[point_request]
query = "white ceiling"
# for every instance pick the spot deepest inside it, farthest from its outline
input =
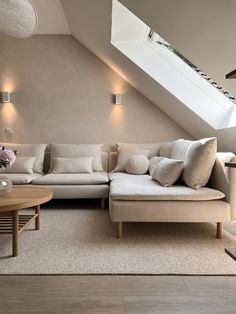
(51, 17)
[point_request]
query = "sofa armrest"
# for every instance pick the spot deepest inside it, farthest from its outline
(224, 179)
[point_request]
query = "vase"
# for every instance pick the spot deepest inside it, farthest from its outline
(5, 186)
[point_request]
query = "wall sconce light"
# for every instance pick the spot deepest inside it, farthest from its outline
(5, 97)
(117, 99)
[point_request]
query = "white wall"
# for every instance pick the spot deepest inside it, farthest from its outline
(63, 93)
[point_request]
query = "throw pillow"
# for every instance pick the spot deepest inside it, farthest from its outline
(180, 149)
(21, 165)
(199, 161)
(125, 154)
(137, 164)
(72, 165)
(168, 171)
(153, 162)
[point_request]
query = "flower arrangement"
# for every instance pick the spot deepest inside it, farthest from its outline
(7, 156)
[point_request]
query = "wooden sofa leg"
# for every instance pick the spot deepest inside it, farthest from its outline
(219, 230)
(119, 230)
(103, 203)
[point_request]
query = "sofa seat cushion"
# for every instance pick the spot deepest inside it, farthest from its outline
(22, 178)
(142, 187)
(72, 179)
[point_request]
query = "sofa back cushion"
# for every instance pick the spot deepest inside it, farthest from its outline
(166, 149)
(30, 150)
(199, 162)
(77, 150)
(153, 148)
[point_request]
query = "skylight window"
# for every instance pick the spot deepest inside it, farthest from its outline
(169, 68)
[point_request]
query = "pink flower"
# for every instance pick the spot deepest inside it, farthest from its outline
(7, 155)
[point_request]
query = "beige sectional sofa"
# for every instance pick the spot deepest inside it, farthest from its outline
(133, 198)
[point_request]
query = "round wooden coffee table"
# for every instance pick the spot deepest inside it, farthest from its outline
(21, 197)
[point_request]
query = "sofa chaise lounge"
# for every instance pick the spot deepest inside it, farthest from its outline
(137, 198)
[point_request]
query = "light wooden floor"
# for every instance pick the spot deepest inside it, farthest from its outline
(117, 294)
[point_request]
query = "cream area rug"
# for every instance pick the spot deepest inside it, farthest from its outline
(82, 241)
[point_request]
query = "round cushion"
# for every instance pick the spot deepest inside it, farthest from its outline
(137, 164)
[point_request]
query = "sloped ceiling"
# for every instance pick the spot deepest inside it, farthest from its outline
(51, 17)
(90, 23)
(203, 30)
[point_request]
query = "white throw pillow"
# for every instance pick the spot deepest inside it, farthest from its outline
(77, 150)
(168, 171)
(72, 165)
(180, 149)
(137, 164)
(21, 165)
(199, 161)
(153, 162)
(125, 154)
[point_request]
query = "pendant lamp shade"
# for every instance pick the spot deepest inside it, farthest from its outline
(18, 18)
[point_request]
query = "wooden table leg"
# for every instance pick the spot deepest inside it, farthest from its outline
(37, 219)
(15, 230)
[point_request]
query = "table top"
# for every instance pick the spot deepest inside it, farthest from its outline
(22, 197)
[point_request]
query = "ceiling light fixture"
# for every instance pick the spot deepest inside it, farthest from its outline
(18, 18)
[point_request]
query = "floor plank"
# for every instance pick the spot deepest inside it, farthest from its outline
(55, 305)
(212, 286)
(179, 305)
(93, 285)
(117, 294)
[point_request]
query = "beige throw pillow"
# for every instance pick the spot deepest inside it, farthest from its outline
(125, 154)
(21, 165)
(168, 171)
(72, 165)
(153, 162)
(199, 161)
(77, 150)
(137, 164)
